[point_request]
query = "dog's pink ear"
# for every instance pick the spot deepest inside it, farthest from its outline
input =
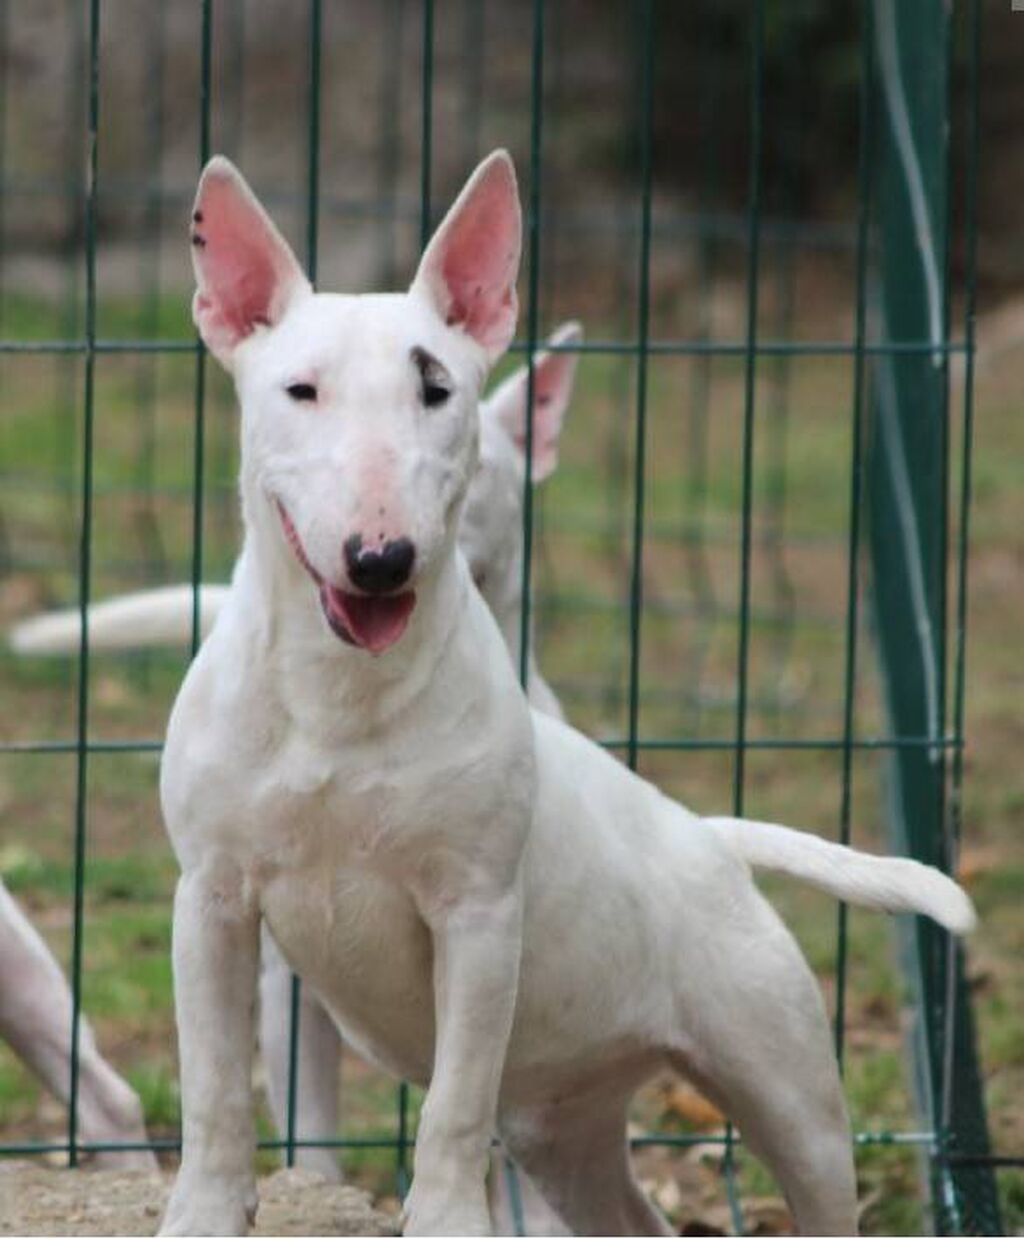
(553, 375)
(246, 276)
(470, 267)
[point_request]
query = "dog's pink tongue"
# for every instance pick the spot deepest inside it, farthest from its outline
(375, 623)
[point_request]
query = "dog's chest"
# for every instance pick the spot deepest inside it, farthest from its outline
(385, 803)
(356, 937)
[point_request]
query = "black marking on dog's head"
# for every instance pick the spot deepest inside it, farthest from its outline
(435, 382)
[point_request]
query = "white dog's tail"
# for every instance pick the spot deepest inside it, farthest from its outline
(154, 618)
(894, 883)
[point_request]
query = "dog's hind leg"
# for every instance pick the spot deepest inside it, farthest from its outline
(763, 1053)
(796, 1125)
(318, 1060)
(577, 1156)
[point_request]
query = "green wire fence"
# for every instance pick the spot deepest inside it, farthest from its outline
(681, 635)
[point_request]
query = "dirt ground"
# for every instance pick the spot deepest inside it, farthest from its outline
(37, 1200)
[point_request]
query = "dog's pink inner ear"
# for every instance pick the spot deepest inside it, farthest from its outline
(470, 268)
(245, 271)
(552, 389)
(479, 267)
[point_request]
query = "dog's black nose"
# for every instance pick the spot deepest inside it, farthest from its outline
(379, 572)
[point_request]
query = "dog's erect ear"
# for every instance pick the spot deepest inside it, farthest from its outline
(553, 375)
(469, 269)
(246, 276)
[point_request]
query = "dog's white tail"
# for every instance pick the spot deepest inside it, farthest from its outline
(894, 883)
(156, 617)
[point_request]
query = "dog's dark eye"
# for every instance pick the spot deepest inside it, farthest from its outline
(434, 393)
(304, 392)
(435, 381)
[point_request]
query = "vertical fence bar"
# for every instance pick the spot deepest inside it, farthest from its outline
(427, 123)
(776, 440)
(198, 457)
(615, 445)
(312, 236)
(533, 232)
(473, 34)
(389, 104)
(856, 486)
(5, 46)
(749, 398)
(5, 43)
(698, 564)
(646, 153)
(84, 574)
(955, 803)
(222, 442)
(150, 542)
(66, 369)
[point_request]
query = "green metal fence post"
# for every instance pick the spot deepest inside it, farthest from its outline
(908, 482)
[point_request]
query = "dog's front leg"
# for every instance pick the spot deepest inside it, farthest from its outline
(476, 972)
(216, 953)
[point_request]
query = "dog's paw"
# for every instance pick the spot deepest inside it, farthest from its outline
(210, 1207)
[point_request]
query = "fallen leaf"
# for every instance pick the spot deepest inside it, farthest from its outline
(684, 1102)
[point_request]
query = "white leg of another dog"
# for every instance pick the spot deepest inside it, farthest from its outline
(535, 1214)
(216, 957)
(319, 1060)
(476, 967)
(35, 1018)
(577, 1156)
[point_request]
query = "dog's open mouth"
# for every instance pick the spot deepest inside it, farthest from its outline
(372, 622)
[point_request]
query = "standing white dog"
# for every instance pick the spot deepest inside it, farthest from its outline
(491, 538)
(487, 902)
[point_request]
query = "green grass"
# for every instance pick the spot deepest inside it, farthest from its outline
(143, 511)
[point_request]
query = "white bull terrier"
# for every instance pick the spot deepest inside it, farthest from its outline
(488, 904)
(35, 1019)
(491, 538)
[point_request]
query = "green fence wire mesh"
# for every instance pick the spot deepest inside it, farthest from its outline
(698, 569)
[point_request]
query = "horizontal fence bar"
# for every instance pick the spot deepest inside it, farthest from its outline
(653, 1140)
(997, 1161)
(825, 744)
(71, 746)
(618, 348)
